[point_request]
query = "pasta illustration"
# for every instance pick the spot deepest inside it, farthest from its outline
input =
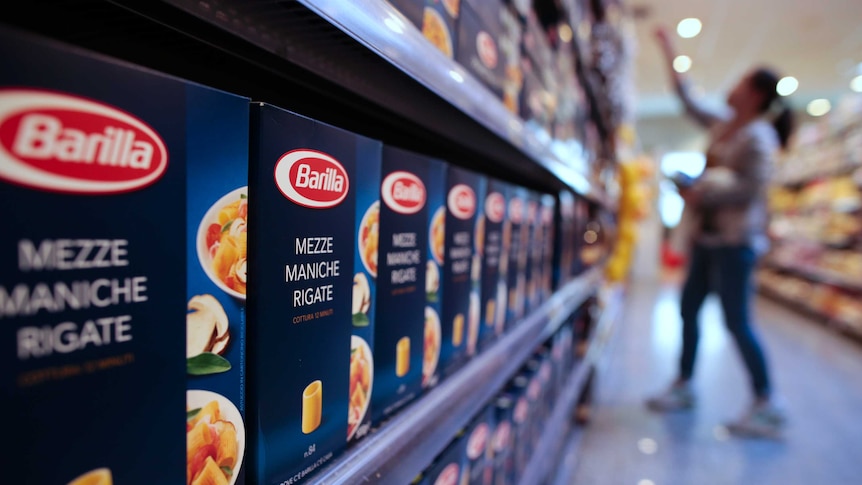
(369, 238)
(312, 406)
(227, 243)
(99, 476)
(212, 447)
(360, 387)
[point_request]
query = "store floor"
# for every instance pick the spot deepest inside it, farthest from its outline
(817, 373)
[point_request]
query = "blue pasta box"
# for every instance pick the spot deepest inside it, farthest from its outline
(435, 188)
(440, 24)
(400, 333)
(448, 468)
(480, 30)
(547, 210)
(305, 190)
(503, 440)
(564, 239)
(364, 297)
(462, 268)
(515, 240)
(478, 452)
(97, 158)
(494, 262)
(533, 268)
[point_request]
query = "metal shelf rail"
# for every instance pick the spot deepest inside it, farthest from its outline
(408, 443)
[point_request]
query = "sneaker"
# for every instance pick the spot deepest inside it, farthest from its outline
(762, 420)
(678, 397)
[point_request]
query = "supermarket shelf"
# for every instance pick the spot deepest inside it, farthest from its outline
(815, 276)
(553, 439)
(798, 181)
(570, 457)
(407, 444)
(843, 328)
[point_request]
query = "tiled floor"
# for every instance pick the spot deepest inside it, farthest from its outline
(817, 373)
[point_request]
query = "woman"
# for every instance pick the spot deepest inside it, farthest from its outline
(731, 232)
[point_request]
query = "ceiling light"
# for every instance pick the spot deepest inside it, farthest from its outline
(787, 86)
(682, 63)
(819, 107)
(856, 84)
(688, 28)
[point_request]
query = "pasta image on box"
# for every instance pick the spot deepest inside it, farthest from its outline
(494, 262)
(366, 261)
(462, 268)
(439, 24)
(303, 210)
(435, 188)
(399, 329)
(96, 157)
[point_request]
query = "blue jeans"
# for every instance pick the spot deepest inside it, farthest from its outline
(728, 271)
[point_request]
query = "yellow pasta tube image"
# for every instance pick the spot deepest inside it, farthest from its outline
(312, 406)
(99, 476)
(402, 357)
(458, 330)
(489, 312)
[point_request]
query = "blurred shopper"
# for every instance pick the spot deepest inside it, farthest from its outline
(730, 232)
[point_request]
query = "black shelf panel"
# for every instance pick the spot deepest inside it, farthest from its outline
(408, 443)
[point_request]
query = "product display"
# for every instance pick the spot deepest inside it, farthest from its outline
(338, 292)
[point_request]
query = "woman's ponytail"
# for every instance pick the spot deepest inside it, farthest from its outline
(766, 81)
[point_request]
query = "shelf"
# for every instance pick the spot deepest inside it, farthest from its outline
(844, 328)
(553, 438)
(815, 276)
(407, 444)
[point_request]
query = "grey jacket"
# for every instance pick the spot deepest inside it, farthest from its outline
(738, 212)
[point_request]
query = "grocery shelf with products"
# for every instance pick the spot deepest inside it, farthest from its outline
(816, 220)
(468, 183)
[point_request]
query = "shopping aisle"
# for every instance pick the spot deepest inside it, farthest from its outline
(816, 371)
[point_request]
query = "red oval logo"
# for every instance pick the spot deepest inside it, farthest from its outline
(462, 201)
(501, 436)
(521, 408)
(403, 192)
(495, 207)
(478, 442)
(487, 49)
(63, 143)
(516, 210)
(311, 179)
(449, 475)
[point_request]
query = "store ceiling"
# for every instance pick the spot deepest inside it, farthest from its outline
(818, 42)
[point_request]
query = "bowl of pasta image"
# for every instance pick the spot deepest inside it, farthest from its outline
(215, 438)
(222, 242)
(368, 238)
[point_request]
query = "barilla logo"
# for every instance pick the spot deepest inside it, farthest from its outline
(462, 201)
(516, 210)
(521, 409)
(63, 143)
(449, 475)
(487, 49)
(311, 179)
(495, 207)
(478, 442)
(501, 436)
(403, 192)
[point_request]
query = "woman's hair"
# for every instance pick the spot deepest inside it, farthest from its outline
(765, 81)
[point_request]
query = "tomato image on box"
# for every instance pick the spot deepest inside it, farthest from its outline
(401, 291)
(494, 263)
(462, 269)
(515, 240)
(363, 359)
(303, 181)
(95, 157)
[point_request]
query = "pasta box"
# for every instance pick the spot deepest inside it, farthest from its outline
(503, 440)
(448, 468)
(547, 210)
(366, 261)
(462, 268)
(305, 191)
(480, 33)
(96, 157)
(435, 187)
(440, 24)
(400, 336)
(564, 240)
(514, 236)
(478, 451)
(494, 261)
(533, 268)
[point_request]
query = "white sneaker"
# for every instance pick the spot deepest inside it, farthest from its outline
(678, 397)
(762, 420)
